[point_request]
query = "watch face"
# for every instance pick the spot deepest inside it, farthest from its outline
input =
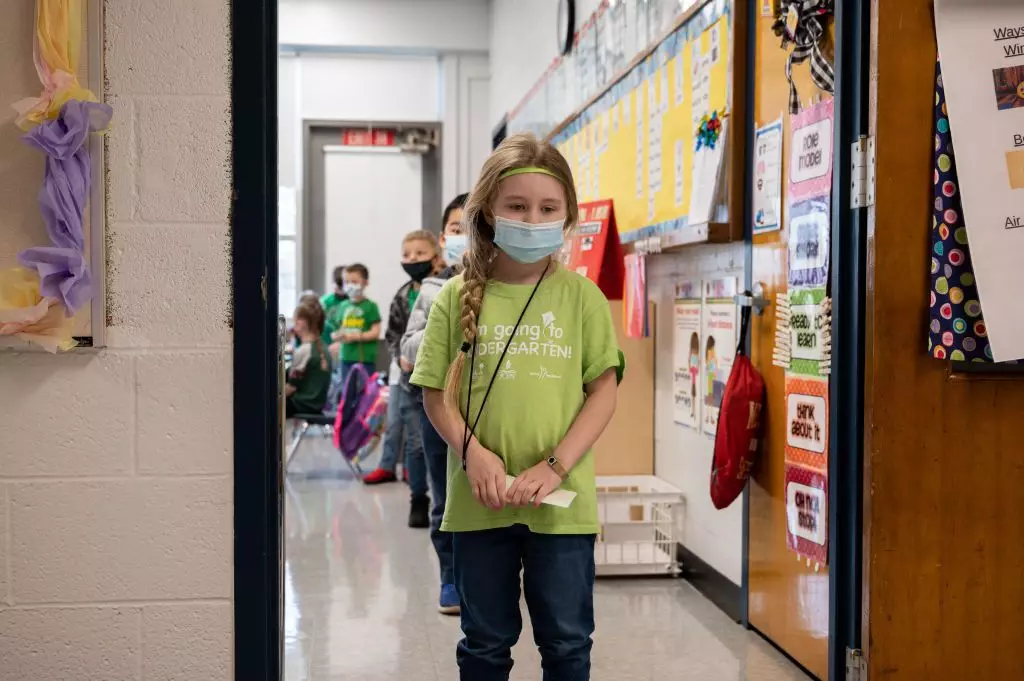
(552, 461)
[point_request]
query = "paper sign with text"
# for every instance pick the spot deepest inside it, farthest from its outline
(807, 513)
(686, 368)
(807, 422)
(809, 228)
(810, 161)
(807, 330)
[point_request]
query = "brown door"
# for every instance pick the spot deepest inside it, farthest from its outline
(944, 463)
(788, 600)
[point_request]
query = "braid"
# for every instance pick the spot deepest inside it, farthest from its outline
(471, 298)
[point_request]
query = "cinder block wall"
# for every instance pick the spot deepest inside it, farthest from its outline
(116, 466)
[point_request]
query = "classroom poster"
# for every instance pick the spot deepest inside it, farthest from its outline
(635, 308)
(719, 338)
(807, 422)
(810, 224)
(593, 249)
(808, 331)
(686, 354)
(981, 51)
(768, 178)
(810, 162)
(807, 513)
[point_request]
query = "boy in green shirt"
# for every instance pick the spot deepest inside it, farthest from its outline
(357, 323)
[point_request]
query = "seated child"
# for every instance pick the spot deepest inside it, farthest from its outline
(357, 323)
(310, 373)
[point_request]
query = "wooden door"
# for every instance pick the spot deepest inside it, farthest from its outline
(944, 469)
(788, 601)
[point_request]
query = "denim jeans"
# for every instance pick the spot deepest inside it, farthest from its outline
(558, 581)
(403, 435)
(435, 452)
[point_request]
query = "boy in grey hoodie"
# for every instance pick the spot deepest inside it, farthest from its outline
(435, 449)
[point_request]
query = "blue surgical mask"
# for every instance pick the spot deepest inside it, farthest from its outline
(528, 243)
(354, 291)
(454, 246)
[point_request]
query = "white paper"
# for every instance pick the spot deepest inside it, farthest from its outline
(718, 347)
(562, 498)
(680, 173)
(704, 178)
(768, 178)
(982, 48)
(686, 368)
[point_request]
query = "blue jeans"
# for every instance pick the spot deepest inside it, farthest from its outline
(435, 452)
(403, 435)
(558, 580)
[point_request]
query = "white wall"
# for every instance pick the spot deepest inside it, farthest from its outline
(116, 465)
(683, 456)
(523, 44)
(434, 25)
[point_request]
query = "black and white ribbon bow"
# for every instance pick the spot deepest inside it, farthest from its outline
(812, 16)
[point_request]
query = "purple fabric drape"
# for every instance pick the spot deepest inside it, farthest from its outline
(62, 267)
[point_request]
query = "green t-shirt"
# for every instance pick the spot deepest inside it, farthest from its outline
(330, 302)
(311, 375)
(565, 341)
(414, 293)
(357, 316)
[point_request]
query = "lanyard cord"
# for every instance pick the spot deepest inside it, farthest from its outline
(469, 432)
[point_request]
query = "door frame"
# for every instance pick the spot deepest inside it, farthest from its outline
(846, 399)
(258, 465)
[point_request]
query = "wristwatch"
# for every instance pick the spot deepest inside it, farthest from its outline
(557, 467)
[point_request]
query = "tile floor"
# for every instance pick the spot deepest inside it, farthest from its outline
(361, 595)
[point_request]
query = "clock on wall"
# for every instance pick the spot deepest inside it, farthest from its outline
(566, 25)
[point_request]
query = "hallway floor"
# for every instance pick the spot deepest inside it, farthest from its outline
(361, 596)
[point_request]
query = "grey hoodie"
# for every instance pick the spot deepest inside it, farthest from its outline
(410, 344)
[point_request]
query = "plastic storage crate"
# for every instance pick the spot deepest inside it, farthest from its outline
(638, 516)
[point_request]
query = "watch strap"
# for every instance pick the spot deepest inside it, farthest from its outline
(557, 466)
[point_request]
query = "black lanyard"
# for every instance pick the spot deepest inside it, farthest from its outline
(469, 432)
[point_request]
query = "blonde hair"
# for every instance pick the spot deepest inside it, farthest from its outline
(423, 235)
(517, 151)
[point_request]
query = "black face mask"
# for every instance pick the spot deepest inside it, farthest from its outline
(418, 271)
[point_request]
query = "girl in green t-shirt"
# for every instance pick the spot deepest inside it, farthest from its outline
(518, 368)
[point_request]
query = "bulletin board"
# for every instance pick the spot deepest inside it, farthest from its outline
(22, 166)
(635, 143)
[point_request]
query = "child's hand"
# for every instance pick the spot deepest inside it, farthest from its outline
(486, 473)
(405, 364)
(533, 485)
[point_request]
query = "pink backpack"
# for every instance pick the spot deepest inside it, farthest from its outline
(362, 412)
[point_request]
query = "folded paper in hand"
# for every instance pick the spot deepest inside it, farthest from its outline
(561, 498)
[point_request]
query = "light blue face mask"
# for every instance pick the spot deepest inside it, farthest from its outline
(528, 243)
(454, 246)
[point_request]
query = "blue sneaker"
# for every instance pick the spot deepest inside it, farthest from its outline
(449, 602)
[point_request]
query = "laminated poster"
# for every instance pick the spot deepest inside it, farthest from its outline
(686, 354)
(981, 49)
(635, 308)
(768, 178)
(810, 223)
(810, 162)
(807, 330)
(718, 347)
(807, 513)
(807, 422)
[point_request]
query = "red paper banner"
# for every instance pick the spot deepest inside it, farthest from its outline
(594, 250)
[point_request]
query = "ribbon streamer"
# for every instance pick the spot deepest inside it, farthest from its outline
(800, 23)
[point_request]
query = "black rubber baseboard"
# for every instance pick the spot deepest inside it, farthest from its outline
(715, 586)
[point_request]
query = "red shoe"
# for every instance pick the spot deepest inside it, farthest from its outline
(405, 474)
(379, 476)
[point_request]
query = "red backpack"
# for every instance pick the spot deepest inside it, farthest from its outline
(739, 426)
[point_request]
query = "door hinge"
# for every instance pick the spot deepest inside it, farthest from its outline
(856, 667)
(862, 182)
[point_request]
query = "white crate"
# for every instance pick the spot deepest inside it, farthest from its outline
(638, 516)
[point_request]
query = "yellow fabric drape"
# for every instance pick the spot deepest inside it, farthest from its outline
(56, 49)
(27, 315)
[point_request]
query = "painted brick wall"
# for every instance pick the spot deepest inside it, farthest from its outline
(115, 466)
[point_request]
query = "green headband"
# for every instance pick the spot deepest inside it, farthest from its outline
(527, 169)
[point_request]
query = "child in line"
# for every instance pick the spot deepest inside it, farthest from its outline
(420, 259)
(335, 298)
(357, 320)
(518, 368)
(435, 450)
(310, 373)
